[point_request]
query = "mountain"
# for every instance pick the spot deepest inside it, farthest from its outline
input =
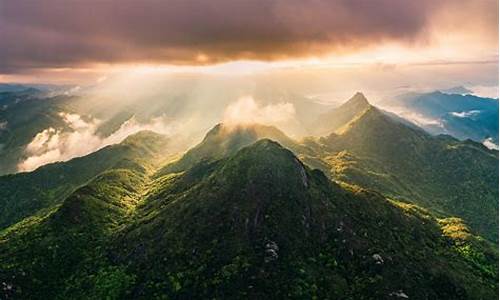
(461, 90)
(463, 116)
(23, 115)
(223, 140)
(441, 173)
(64, 119)
(254, 224)
(13, 87)
(67, 241)
(379, 152)
(25, 194)
(38, 88)
(394, 213)
(337, 117)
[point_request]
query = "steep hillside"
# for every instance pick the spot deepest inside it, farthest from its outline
(23, 194)
(45, 256)
(256, 224)
(378, 152)
(441, 173)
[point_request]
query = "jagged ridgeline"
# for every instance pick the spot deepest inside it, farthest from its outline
(376, 209)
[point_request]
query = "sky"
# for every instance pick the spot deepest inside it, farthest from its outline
(79, 42)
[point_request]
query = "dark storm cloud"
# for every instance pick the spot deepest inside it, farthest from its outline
(60, 33)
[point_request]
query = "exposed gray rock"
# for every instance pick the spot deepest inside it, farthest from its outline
(399, 294)
(271, 252)
(340, 227)
(378, 259)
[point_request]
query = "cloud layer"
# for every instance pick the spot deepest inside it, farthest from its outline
(246, 111)
(52, 145)
(60, 33)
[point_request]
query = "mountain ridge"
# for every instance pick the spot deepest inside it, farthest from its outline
(23, 194)
(224, 139)
(243, 215)
(385, 155)
(463, 116)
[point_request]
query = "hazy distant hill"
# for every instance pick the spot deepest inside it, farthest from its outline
(39, 88)
(23, 115)
(460, 90)
(337, 117)
(463, 116)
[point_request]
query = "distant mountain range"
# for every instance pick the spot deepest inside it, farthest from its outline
(26, 111)
(463, 116)
(460, 90)
(373, 209)
(23, 114)
(376, 152)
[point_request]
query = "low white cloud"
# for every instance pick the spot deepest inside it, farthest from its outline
(75, 121)
(415, 118)
(247, 111)
(3, 125)
(160, 125)
(465, 114)
(72, 91)
(101, 79)
(490, 144)
(421, 120)
(52, 145)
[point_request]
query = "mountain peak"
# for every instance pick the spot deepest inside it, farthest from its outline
(369, 115)
(223, 140)
(358, 99)
(460, 90)
(266, 145)
(342, 115)
(263, 163)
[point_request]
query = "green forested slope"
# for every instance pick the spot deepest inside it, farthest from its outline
(440, 173)
(255, 224)
(374, 151)
(23, 194)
